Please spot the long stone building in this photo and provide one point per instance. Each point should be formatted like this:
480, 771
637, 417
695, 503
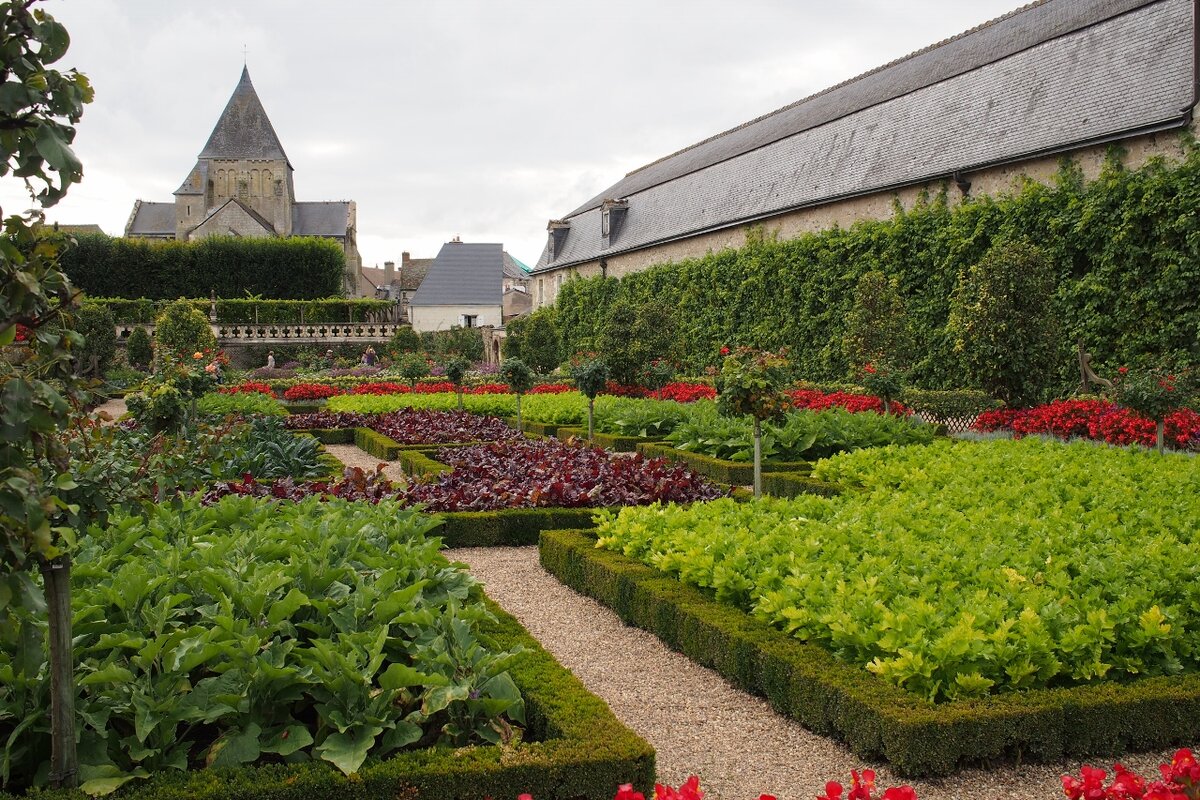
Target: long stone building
242, 186
977, 112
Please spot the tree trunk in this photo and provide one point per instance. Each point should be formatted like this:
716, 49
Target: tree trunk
520, 427
887, 407
460, 398
1158, 434
591, 418
64, 758
757, 458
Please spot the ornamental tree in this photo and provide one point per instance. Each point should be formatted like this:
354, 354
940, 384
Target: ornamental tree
138, 350
1152, 393
590, 374
877, 327
41, 504
413, 367
883, 380
455, 370
180, 330
752, 384
519, 378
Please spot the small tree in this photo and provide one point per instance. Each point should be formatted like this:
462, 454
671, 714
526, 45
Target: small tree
590, 374
877, 327
538, 342
99, 332
138, 350
404, 340
179, 331
456, 370
882, 380
657, 374
1152, 393
519, 378
413, 367
634, 335
1002, 321
751, 384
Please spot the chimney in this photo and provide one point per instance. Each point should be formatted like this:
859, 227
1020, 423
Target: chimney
456, 240
558, 229
404, 259
389, 272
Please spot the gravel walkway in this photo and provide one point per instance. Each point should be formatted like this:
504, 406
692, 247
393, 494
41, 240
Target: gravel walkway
115, 409
697, 722
352, 456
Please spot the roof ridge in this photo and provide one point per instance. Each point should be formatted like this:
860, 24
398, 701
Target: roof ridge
929, 48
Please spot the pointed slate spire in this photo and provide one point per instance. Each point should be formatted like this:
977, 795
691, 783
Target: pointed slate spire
243, 131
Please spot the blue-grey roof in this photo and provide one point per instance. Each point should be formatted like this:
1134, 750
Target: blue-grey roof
464, 274
1049, 76
153, 219
329, 218
244, 131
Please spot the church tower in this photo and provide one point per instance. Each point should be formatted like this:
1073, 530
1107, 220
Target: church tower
243, 161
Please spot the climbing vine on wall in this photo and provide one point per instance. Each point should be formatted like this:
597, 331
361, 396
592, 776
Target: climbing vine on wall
1126, 249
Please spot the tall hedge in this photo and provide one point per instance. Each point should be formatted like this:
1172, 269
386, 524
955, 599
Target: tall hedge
300, 268
1125, 249
266, 312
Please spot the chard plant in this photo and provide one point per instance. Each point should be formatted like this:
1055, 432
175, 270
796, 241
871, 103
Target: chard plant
519, 378
752, 384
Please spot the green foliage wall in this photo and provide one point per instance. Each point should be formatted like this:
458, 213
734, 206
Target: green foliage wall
298, 268
244, 310
1125, 247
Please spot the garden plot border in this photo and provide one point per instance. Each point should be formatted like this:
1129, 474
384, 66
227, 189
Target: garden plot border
732, 473
874, 718
611, 441
585, 751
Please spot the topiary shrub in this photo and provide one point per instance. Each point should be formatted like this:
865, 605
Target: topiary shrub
138, 350
99, 340
1002, 322
519, 378
404, 340
633, 336
180, 331
877, 328
413, 367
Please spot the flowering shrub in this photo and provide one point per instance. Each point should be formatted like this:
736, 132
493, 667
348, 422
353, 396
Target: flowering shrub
248, 387
311, 391
881, 380
682, 392
1099, 420
1180, 780
750, 384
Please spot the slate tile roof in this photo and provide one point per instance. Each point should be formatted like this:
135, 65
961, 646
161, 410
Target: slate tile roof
463, 274
153, 219
243, 130
321, 218
1049, 76
407, 279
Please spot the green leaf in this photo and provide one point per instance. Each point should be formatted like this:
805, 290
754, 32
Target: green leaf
235, 748
106, 779
288, 740
347, 751
398, 676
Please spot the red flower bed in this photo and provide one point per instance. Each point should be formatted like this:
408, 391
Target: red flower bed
532, 474
311, 391
816, 400
551, 388
248, 387
682, 392
381, 388
488, 388
417, 426
1099, 420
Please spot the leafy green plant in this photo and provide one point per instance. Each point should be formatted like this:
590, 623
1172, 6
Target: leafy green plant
634, 335
883, 380
1040, 597
412, 367
255, 632
404, 340
534, 340
590, 374
138, 350
646, 418
1153, 394
751, 384
181, 331
99, 333
218, 405
1002, 321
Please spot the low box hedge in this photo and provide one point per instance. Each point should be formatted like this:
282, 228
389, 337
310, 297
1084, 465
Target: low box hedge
794, 484
579, 749
382, 447
610, 441
510, 527
419, 463
304, 408
534, 428
877, 719
733, 473
332, 435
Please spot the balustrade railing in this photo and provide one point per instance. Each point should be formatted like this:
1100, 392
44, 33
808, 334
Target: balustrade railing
232, 333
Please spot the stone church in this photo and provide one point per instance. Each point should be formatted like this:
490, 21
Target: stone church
242, 186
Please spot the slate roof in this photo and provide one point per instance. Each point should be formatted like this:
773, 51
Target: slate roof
463, 274
321, 218
86, 227
153, 219
196, 180
254, 215
408, 278
244, 131
514, 268
1050, 76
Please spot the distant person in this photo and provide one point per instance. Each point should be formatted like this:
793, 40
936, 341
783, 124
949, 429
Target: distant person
369, 357
270, 359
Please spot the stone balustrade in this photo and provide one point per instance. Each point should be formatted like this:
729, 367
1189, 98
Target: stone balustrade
265, 333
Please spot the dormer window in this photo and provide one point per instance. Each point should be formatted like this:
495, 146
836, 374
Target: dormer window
557, 230
612, 219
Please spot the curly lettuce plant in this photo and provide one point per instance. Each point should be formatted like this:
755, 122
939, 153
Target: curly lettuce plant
590, 374
752, 384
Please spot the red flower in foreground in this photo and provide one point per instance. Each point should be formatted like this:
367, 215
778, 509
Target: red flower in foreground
724, 351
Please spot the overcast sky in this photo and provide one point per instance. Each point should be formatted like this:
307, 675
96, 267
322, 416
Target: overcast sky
442, 118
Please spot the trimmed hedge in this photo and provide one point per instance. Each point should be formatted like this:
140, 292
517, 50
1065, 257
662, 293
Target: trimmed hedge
418, 463
578, 749
794, 484
266, 312
382, 447
876, 719
510, 527
536, 428
298, 267
332, 435
611, 441
733, 473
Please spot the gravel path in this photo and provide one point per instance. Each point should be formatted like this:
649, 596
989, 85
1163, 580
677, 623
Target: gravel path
115, 409
352, 456
697, 722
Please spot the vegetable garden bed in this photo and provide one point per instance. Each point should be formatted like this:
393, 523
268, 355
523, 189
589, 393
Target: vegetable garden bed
610, 441
733, 473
